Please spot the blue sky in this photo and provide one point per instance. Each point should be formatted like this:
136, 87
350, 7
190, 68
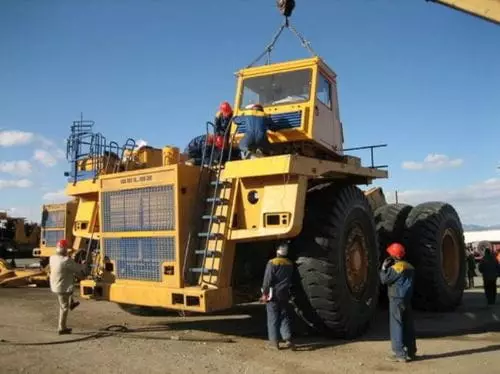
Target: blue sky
421, 77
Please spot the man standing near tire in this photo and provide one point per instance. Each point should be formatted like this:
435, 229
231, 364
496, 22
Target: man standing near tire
276, 295
398, 275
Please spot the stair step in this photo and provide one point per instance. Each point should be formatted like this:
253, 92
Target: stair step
210, 253
221, 183
210, 235
215, 219
202, 270
217, 200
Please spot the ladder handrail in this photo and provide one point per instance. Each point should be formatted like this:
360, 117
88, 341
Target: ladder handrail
213, 208
197, 209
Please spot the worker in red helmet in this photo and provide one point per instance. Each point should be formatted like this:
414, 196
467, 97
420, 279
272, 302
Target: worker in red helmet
63, 270
215, 142
223, 118
398, 275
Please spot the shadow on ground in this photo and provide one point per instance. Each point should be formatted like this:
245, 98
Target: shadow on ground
249, 321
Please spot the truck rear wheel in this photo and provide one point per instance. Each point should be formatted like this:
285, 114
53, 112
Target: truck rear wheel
337, 262
390, 224
437, 251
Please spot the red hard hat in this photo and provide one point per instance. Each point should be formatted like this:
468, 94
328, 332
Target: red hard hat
396, 250
225, 108
63, 243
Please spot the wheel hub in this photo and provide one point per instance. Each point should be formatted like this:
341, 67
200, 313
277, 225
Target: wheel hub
356, 261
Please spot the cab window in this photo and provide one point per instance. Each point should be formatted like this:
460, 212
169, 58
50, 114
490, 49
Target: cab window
324, 91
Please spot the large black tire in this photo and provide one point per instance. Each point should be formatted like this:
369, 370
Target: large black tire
390, 222
337, 262
437, 251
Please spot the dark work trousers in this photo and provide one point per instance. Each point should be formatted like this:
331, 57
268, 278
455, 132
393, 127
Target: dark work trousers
401, 328
490, 290
279, 320
471, 281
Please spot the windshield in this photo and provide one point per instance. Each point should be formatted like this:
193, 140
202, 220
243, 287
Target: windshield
275, 89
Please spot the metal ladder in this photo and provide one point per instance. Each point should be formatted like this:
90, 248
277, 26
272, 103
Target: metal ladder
206, 240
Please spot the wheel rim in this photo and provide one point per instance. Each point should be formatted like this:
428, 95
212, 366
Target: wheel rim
450, 255
356, 261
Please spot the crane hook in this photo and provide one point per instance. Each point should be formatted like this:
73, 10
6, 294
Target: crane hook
285, 7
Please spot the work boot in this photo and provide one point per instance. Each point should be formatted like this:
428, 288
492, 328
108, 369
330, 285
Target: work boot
275, 346
73, 305
394, 358
289, 344
65, 331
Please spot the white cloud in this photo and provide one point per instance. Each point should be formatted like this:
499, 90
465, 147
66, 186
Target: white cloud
56, 196
140, 143
45, 157
433, 161
10, 138
19, 183
476, 204
20, 168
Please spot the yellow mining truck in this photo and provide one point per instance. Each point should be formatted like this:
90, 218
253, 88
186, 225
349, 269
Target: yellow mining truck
197, 238
57, 222
17, 237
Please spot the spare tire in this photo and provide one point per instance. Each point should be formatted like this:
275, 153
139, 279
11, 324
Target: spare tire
337, 262
437, 251
390, 222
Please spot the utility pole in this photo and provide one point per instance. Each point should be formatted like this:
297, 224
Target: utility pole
396, 193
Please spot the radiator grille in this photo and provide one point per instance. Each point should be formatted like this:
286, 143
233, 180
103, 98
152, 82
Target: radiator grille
55, 218
139, 258
144, 209
52, 237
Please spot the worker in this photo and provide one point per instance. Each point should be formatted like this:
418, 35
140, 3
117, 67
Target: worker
63, 270
215, 141
254, 143
398, 275
471, 268
223, 118
489, 268
276, 294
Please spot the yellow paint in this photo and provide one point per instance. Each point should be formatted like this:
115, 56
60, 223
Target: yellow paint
487, 9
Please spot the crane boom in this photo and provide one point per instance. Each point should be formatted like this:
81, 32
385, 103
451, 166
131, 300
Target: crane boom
485, 9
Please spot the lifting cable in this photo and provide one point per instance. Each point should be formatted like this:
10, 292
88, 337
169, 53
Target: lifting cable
286, 8
113, 330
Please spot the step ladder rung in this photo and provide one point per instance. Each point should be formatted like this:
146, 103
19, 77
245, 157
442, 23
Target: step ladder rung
215, 219
209, 253
217, 200
202, 270
220, 183
210, 235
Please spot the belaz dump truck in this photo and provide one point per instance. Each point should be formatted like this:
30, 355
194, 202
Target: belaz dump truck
197, 238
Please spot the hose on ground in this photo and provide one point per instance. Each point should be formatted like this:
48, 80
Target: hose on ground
113, 330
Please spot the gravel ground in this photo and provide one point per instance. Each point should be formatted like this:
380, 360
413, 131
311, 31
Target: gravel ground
462, 342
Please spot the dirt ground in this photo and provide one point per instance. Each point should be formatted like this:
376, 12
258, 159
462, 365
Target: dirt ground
465, 341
